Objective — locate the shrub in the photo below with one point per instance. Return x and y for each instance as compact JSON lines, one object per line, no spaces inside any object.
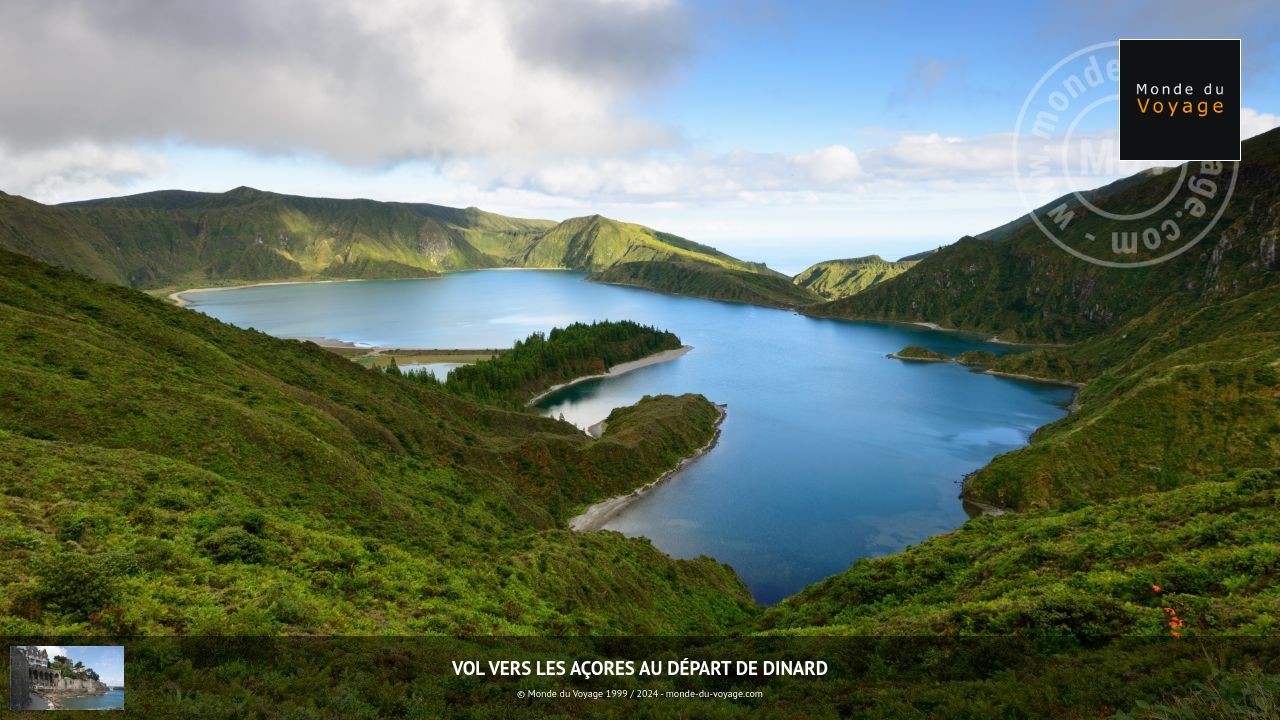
{"x":72,"y":527}
{"x":75,"y":584}
{"x":233,"y":544}
{"x":153,"y":554}
{"x":118,"y":563}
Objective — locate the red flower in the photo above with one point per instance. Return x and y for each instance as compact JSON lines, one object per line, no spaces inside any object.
{"x":1156,"y":588}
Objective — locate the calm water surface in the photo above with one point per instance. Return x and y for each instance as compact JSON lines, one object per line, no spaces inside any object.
{"x":830,"y":451}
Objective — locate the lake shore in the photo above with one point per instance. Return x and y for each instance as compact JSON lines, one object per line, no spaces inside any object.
{"x":1073,"y":406}
{"x":989,"y":338}
{"x":595,"y":516}
{"x":616,"y":370}
{"x":180,"y":301}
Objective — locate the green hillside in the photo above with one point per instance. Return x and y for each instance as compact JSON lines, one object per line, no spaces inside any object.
{"x":595,"y":243}
{"x":832,"y":279}
{"x":177,"y":238}
{"x":1025,"y":288}
{"x":161,"y":472}
{"x":1171,"y":398}
{"x":706,"y":280}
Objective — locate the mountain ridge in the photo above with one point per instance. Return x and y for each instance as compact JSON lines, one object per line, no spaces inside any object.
{"x":179,"y":238}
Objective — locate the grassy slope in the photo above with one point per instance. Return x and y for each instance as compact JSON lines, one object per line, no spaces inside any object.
{"x":832,"y":279}
{"x":705,"y":280}
{"x":197,"y":478}
{"x":1174,"y":396}
{"x":595,"y":243}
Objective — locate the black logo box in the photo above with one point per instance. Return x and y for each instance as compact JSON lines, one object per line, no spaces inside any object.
{"x":1185,"y":67}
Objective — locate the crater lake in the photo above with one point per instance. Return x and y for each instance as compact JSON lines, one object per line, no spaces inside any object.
{"x":829,"y":452}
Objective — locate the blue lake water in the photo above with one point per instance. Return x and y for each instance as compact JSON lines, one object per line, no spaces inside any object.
{"x":111,"y":700}
{"x":830,"y":451}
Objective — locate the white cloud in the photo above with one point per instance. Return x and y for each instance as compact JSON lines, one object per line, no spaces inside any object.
{"x":692,"y":177}
{"x":829,"y":165}
{"x":364,"y":83}
{"x":53,"y":650}
{"x":1253,"y":122}
{"x":75,"y":170}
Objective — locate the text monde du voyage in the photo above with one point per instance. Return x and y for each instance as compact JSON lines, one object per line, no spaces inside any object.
{"x":1180,"y":99}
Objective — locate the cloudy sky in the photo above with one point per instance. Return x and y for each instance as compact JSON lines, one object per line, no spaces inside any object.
{"x":782,"y":131}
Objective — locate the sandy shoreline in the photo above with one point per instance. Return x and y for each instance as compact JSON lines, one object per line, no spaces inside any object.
{"x":1033,"y":378}
{"x":1073,"y":406}
{"x":990,"y":338}
{"x":616,"y":370}
{"x":594,"y":517}
{"x":177,"y":297}
{"x":180,"y":301}
{"x":983,"y":508}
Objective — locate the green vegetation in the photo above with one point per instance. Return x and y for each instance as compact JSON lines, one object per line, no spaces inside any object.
{"x":978,"y":358}
{"x":1170,"y":399}
{"x":916,"y":352}
{"x":161,"y":472}
{"x":834,"y":279}
{"x":385,"y":357}
{"x":705,"y":280}
{"x":175,"y":239}
{"x":542,"y":360}
{"x":596,"y":243}
{"x":371,"y":268}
